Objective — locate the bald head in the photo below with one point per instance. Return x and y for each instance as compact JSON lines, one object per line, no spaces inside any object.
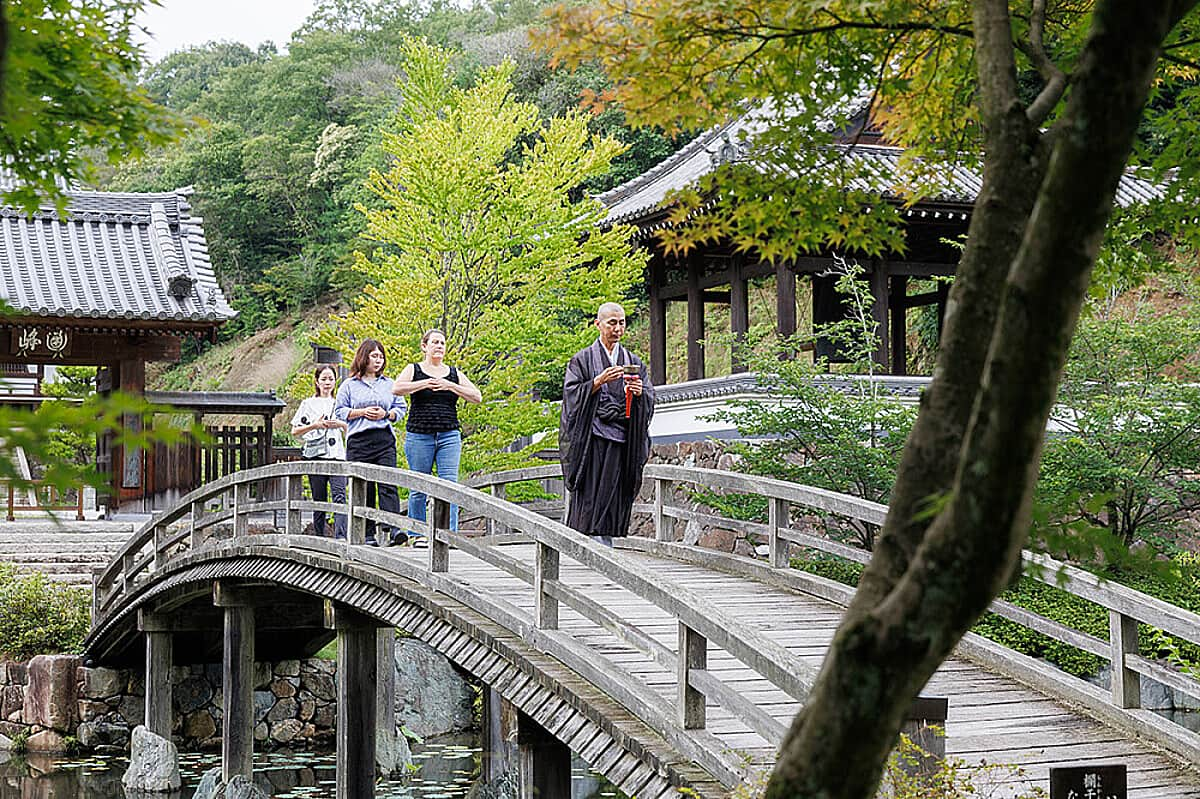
{"x":609,"y":309}
{"x":610,"y":321}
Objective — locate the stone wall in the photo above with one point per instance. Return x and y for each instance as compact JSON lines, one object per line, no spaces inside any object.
{"x":53,"y":703}
{"x":710,"y":454}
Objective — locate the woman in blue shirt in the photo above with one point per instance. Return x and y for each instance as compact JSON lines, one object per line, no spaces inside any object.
{"x":366,"y":403}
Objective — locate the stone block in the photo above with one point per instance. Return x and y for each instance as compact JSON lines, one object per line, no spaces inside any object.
{"x":263,"y":702}
{"x":720,"y":540}
{"x":46,"y":741}
{"x":288,"y":668}
{"x":319,"y":684}
{"x":262,"y":676}
{"x":133,"y":709}
{"x":90,"y":709}
{"x":101,"y":683}
{"x":52,"y":695}
{"x":199,"y":726}
{"x":12,"y":702}
{"x":192,"y":693}
{"x":283,"y":687}
{"x":325,"y":716}
{"x":307,"y":708}
{"x":153,"y":763}
{"x":18,"y":672}
{"x":283,"y":710}
{"x":432,"y":698}
{"x":286,"y":730}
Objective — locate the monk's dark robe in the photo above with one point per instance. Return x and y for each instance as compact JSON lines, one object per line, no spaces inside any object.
{"x":602,"y":452}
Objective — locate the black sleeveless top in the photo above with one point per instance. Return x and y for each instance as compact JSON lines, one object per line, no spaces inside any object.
{"x":432,"y":411}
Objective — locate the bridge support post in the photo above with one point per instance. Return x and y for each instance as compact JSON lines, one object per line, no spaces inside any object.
{"x":237,"y":682}
{"x":545,"y":761}
{"x":158,"y":673}
{"x":500,"y":728}
{"x":693,"y":654}
{"x":385,"y":699}
{"x":1123,"y":639}
{"x":358,"y":665}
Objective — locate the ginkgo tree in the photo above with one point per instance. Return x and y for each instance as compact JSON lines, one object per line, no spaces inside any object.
{"x":1045,"y":98}
{"x":482,"y":232}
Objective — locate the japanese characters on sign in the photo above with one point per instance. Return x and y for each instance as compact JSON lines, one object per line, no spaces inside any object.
{"x":53,"y":343}
{"x":1088,"y":782}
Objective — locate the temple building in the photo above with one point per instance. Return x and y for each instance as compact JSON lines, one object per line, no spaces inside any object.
{"x":117,"y":280}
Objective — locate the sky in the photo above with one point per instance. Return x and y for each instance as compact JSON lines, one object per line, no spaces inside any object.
{"x":176,"y":24}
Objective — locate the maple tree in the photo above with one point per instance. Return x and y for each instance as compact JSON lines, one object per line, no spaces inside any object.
{"x":1045,"y":98}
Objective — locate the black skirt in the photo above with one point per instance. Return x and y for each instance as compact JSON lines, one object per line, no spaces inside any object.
{"x":600,"y":504}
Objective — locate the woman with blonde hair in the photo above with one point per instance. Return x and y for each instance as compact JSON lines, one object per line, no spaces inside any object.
{"x":433,"y":436}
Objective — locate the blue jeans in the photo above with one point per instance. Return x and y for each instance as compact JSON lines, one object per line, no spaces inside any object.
{"x":423,"y":450}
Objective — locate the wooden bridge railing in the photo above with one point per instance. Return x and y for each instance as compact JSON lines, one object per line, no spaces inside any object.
{"x":1126,"y":607}
{"x":221,"y":514}
{"x":38,"y":496}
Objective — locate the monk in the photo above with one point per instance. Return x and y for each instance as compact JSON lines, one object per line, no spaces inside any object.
{"x":603,"y":450}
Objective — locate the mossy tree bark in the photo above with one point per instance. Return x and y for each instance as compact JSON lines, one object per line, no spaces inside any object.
{"x":972,"y":455}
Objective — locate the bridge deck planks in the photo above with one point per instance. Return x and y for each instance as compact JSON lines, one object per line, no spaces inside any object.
{"x":991,"y":716}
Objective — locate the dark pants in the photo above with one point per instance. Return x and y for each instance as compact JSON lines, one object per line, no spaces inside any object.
{"x":321,"y":486}
{"x":377,"y":446}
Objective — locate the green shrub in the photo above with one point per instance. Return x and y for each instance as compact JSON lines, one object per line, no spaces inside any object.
{"x":38,"y":617}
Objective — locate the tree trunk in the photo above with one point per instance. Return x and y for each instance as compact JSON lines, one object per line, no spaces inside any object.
{"x":976,"y":445}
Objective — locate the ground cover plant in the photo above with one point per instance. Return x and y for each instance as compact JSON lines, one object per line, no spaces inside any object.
{"x":40,"y":617}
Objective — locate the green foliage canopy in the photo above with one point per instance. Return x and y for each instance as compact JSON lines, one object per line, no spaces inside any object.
{"x":482,"y":235}
{"x":68,"y":93}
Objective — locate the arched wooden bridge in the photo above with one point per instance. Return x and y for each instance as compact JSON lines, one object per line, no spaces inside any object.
{"x":663,"y":665}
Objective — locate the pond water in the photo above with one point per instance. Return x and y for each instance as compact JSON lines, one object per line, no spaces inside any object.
{"x":448,"y":768}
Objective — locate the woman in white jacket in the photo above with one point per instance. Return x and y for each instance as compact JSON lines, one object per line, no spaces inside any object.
{"x":324,"y":438}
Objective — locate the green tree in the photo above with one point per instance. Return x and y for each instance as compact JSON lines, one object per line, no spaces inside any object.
{"x":481,"y":235}
{"x":944,"y":81}
{"x":68,"y":97}
{"x":68,"y":93}
{"x":1124,"y":457}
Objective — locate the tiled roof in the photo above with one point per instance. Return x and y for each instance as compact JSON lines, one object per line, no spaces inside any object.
{"x":115,"y":256}
{"x":639,"y":197}
{"x":901,"y":387}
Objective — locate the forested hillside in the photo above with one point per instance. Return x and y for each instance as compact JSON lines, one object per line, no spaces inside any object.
{"x":281,"y":140}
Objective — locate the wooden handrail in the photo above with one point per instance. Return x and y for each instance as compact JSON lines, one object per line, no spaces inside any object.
{"x":1126,"y":606}
{"x":36,"y":487}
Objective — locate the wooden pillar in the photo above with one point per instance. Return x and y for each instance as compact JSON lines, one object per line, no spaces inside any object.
{"x":898,"y":305}
{"x":658,"y":323}
{"x":385,"y":700}
{"x":785,"y":300}
{"x":129,"y":465}
{"x":943,"y":292}
{"x":695,"y":322}
{"x":158,"y":684}
{"x":739,"y":312}
{"x":358,"y":663}
{"x":879,"y":310}
{"x":237,"y":682}
{"x":500,"y":753}
{"x":545,"y":761}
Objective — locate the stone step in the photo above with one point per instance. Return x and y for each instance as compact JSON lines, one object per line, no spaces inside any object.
{"x":35,"y":558}
{"x":30,"y":527}
{"x":63,"y":544}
